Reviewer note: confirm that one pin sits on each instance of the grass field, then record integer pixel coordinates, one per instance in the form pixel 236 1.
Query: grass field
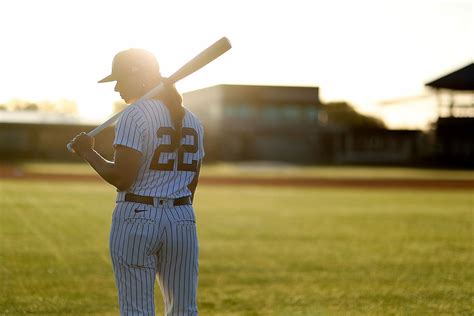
pixel 275 170
pixel 263 250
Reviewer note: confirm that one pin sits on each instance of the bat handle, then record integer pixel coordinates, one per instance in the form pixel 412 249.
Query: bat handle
pixel 91 133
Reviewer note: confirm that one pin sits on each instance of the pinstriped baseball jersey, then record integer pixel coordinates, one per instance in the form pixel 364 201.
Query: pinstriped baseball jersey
pixel 146 126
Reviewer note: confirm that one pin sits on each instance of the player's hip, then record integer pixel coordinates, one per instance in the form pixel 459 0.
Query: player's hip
pixel 154 209
pixel 140 232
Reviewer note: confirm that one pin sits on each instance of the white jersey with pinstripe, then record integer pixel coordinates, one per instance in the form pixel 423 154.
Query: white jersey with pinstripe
pixel 146 127
pixel 148 241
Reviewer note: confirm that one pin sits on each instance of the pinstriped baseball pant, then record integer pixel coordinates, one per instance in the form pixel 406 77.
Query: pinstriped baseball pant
pixel 148 242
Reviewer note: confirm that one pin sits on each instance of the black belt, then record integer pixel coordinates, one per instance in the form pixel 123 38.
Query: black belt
pixel 130 197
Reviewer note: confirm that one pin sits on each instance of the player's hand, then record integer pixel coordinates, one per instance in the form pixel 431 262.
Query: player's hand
pixel 82 144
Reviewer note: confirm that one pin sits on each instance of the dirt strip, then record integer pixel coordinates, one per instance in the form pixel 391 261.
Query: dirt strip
pixel 291 182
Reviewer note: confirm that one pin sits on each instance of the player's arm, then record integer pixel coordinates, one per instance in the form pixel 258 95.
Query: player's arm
pixel 192 186
pixel 121 172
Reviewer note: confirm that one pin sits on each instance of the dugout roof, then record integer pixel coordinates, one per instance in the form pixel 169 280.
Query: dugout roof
pixel 459 80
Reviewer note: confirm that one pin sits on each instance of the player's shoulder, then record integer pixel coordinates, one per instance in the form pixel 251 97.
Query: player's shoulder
pixel 191 116
pixel 142 105
pixel 130 111
pixel 146 108
pixel 134 113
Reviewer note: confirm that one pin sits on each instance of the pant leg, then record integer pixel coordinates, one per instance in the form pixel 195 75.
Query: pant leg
pixel 134 239
pixel 177 266
pixel 135 289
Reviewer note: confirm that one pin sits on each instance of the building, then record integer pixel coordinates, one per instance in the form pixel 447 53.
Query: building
pixel 291 124
pixel 381 146
pixel 35 135
pixel 245 122
pixel 454 129
pixel 266 123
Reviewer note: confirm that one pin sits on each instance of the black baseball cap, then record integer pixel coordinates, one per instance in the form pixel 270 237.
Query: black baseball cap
pixel 132 61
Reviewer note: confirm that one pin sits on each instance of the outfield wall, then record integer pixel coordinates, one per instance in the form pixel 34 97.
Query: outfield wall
pixel 353 146
pixel 47 141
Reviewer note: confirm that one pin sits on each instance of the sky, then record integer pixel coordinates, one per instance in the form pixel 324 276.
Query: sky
pixel 363 52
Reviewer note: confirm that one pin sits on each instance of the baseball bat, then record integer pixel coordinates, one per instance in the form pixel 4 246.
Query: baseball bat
pixel 199 61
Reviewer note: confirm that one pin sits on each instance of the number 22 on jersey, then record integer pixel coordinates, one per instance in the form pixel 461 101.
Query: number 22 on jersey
pixel 168 148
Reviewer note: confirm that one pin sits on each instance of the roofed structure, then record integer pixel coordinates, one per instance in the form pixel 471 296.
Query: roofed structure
pixel 459 87
pixel 459 80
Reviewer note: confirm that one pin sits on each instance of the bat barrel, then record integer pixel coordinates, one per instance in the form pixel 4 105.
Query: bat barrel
pixel 202 59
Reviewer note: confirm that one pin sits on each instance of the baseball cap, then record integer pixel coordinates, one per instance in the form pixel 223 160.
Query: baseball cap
pixel 131 61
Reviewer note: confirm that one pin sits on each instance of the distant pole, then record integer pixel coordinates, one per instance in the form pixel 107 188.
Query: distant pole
pixel 439 101
pixel 451 104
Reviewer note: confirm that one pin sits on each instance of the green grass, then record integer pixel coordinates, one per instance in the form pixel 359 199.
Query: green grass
pixel 331 172
pixel 263 251
pixel 276 170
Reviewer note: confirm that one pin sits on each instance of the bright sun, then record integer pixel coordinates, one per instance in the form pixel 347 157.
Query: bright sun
pixel 54 54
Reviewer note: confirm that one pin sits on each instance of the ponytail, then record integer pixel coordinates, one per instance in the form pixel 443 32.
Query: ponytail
pixel 174 102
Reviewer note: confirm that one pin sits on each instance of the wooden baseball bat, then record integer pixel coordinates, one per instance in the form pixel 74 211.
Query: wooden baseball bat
pixel 199 61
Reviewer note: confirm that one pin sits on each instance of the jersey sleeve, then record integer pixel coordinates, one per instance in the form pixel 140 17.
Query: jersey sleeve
pixel 129 131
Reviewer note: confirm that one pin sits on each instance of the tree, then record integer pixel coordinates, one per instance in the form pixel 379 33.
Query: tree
pixel 342 113
pixel 60 106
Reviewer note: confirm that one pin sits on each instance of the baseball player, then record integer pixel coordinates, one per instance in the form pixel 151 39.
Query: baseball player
pixel 158 151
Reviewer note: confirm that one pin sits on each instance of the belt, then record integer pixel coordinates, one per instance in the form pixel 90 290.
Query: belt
pixel 150 200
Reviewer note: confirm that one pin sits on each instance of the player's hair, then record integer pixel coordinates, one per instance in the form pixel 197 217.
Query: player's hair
pixel 173 100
